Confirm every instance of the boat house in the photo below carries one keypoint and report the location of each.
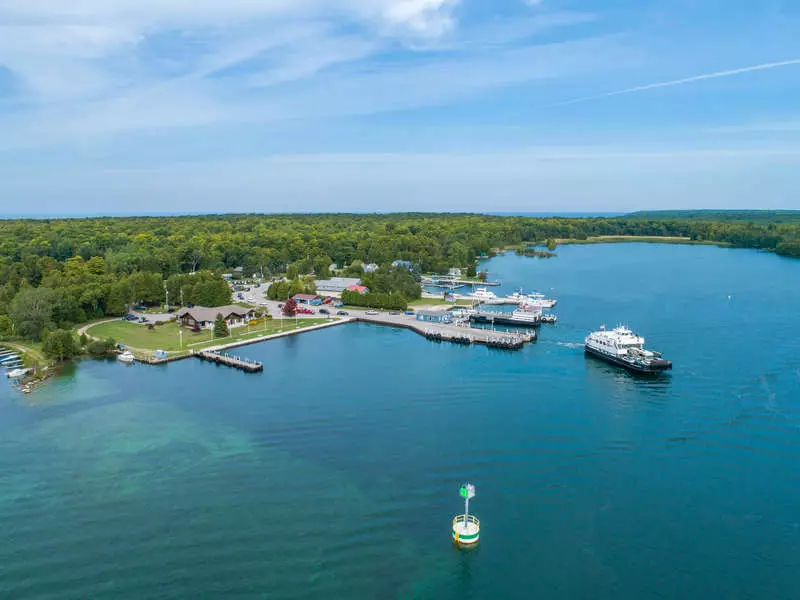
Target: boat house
(204, 317)
(434, 316)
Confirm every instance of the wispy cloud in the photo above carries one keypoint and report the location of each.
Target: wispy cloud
(674, 82)
(767, 127)
(93, 68)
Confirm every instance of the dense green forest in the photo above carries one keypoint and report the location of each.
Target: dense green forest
(56, 273)
(761, 217)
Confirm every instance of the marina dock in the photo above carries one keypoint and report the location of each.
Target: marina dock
(236, 362)
(459, 334)
(446, 281)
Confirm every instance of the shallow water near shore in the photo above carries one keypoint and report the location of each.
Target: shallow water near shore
(335, 473)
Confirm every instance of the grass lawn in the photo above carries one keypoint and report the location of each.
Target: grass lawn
(166, 337)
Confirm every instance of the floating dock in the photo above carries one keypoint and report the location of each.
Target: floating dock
(236, 362)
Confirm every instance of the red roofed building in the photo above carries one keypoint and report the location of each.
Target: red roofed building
(361, 289)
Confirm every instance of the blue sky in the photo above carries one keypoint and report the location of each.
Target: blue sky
(145, 106)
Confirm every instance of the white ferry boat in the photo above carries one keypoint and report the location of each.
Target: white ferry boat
(622, 347)
(530, 317)
(484, 296)
(517, 298)
(520, 317)
(537, 299)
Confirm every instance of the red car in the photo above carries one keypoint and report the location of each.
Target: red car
(305, 311)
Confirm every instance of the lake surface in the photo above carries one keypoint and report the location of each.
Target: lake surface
(335, 473)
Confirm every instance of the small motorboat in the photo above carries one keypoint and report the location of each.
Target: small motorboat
(17, 373)
(126, 357)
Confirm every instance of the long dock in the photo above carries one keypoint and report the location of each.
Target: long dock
(445, 281)
(236, 362)
(459, 334)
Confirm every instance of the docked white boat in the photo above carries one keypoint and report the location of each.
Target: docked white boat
(539, 300)
(17, 373)
(126, 357)
(532, 317)
(484, 296)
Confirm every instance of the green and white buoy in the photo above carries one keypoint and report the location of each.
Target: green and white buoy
(466, 527)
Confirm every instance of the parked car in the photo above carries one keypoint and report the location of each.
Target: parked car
(395, 312)
(372, 312)
(409, 312)
(327, 300)
(240, 296)
(324, 311)
(342, 313)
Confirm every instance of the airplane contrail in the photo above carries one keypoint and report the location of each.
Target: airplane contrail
(651, 86)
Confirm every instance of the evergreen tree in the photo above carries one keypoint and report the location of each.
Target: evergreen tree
(220, 327)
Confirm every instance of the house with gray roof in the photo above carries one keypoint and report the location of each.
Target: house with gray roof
(204, 317)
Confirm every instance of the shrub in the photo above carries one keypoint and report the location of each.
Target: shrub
(100, 347)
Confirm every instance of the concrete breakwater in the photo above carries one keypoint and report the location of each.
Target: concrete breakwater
(452, 333)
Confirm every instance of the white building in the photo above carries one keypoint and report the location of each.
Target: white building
(336, 284)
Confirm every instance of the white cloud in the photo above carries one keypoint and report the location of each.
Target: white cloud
(429, 18)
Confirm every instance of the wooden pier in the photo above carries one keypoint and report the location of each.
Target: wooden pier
(236, 362)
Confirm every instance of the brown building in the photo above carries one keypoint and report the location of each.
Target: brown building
(200, 316)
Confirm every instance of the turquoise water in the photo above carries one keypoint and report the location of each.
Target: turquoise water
(335, 473)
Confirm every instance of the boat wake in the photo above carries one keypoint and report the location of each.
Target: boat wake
(570, 344)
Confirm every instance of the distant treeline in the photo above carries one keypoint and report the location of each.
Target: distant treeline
(59, 272)
(759, 217)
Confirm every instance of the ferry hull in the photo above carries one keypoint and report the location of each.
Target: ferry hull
(502, 319)
(658, 366)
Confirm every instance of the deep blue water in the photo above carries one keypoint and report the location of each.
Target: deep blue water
(335, 473)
